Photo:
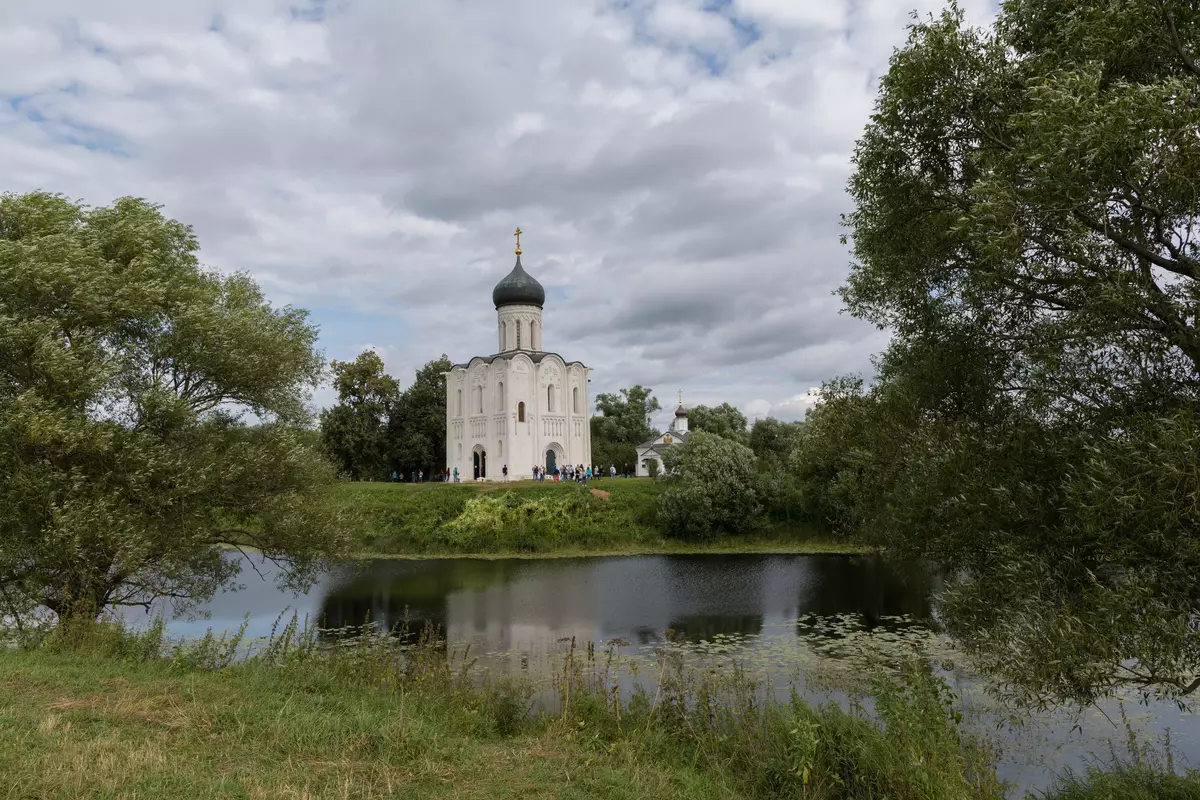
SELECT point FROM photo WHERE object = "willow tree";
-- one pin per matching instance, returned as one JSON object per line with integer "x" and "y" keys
{"x": 125, "y": 372}
{"x": 1026, "y": 220}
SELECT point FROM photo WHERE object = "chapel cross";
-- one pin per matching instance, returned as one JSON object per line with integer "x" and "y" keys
{"x": 681, "y": 397}
{"x": 518, "y": 235}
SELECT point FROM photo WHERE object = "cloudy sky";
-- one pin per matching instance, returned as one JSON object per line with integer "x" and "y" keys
{"x": 678, "y": 166}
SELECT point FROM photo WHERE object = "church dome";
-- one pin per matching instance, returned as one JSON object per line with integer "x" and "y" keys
{"x": 679, "y": 412}
{"x": 518, "y": 288}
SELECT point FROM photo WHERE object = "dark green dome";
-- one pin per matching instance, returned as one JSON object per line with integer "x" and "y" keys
{"x": 518, "y": 288}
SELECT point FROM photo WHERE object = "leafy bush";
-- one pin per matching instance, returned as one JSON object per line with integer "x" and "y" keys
{"x": 781, "y": 495}
{"x": 712, "y": 488}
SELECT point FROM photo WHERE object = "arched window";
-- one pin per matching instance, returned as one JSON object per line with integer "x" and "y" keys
{"x": 478, "y": 399}
{"x": 575, "y": 399}
{"x": 459, "y": 414}
{"x": 503, "y": 336}
{"x": 521, "y": 411}
{"x": 500, "y": 448}
{"x": 500, "y": 396}
{"x": 550, "y": 398}
{"x": 518, "y": 334}
{"x": 534, "y": 340}
{"x": 460, "y": 451}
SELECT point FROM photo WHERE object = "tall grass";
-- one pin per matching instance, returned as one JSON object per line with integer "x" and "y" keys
{"x": 706, "y": 734}
{"x": 1144, "y": 771}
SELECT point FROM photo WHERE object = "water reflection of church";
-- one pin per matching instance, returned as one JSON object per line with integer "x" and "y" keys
{"x": 526, "y": 605}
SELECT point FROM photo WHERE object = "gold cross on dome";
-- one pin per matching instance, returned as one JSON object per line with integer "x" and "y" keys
{"x": 518, "y": 235}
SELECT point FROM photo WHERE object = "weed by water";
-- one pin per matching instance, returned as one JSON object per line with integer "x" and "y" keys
{"x": 1144, "y": 771}
{"x": 364, "y": 714}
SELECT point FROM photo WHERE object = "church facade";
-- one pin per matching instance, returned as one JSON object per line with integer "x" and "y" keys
{"x": 523, "y": 405}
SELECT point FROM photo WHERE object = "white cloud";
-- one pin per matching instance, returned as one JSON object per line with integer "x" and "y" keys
{"x": 679, "y": 169}
{"x": 824, "y": 14}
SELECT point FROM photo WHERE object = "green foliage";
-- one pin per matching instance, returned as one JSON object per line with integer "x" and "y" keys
{"x": 417, "y": 422}
{"x": 1024, "y": 223}
{"x": 622, "y": 455}
{"x": 354, "y": 431}
{"x": 526, "y": 517}
{"x": 781, "y": 496}
{"x": 1145, "y": 771}
{"x": 124, "y": 367}
{"x": 828, "y": 459}
{"x": 1129, "y": 784}
{"x": 711, "y": 487}
{"x": 773, "y": 441}
{"x": 411, "y": 519}
{"x": 623, "y": 422}
{"x": 723, "y": 420}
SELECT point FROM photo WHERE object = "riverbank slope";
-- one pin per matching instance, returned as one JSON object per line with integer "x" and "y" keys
{"x": 355, "y": 723}
{"x": 358, "y": 722}
{"x": 609, "y": 517}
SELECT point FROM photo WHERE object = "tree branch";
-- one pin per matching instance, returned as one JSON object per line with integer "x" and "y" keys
{"x": 1177, "y": 43}
{"x": 1171, "y": 265}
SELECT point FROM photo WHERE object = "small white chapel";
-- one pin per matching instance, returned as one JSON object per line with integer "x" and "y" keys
{"x": 522, "y": 406}
{"x": 654, "y": 449}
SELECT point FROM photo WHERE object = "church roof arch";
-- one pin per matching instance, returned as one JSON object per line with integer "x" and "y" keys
{"x": 534, "y": 357}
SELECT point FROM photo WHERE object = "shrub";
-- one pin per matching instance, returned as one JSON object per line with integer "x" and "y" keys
{"x": 712, "y": 487}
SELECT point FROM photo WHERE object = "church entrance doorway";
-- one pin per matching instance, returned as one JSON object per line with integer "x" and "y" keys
{"x": 480, "y": 462}
{"x": 551, "y": 461}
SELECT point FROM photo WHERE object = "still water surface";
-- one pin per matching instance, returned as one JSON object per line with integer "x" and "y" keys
{"x": 774, "y": 614}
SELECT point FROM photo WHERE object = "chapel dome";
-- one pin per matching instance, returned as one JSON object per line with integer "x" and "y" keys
{"x": 518, "y": 288}
{"x": 679, "y": 412}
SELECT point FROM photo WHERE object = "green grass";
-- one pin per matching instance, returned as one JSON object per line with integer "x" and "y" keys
{"x": 1129, "y": 783}
{"x": 111, "y": 719}
{"x": 536, "y": 518}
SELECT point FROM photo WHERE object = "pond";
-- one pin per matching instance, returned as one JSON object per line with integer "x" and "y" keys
{"x": 779, "y": 616}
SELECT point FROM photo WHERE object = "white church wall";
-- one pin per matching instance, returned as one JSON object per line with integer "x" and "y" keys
{"x": 490, "y": 420}
{"x": 640, "y": 469}
{"x": 522, "y": 373}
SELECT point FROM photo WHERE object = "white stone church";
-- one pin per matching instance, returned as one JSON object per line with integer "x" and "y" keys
{"x": 523, "y": 405}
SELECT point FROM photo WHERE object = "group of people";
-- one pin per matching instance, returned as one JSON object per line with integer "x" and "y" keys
{"x": 580, "y": 473}
{"x": 571, "y": 472}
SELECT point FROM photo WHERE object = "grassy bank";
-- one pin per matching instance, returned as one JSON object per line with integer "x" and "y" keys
{"x": 119, "y": 715}
{"x": 532, "y": 518}
{"x": 359, "y": 721}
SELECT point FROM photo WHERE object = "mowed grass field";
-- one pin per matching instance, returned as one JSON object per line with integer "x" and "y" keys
{"x": 532, "y": 518}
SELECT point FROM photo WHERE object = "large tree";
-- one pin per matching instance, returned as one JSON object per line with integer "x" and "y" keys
{"x": 417, "y": 424}
{"x": 354, "y": 430}
{"x": 622, "y": 424}
{"x": 723, "y": 420}
{"x": 773, "y": 440}
{"x": 124, "y": 369}
{"x": 1025, "y": 217}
